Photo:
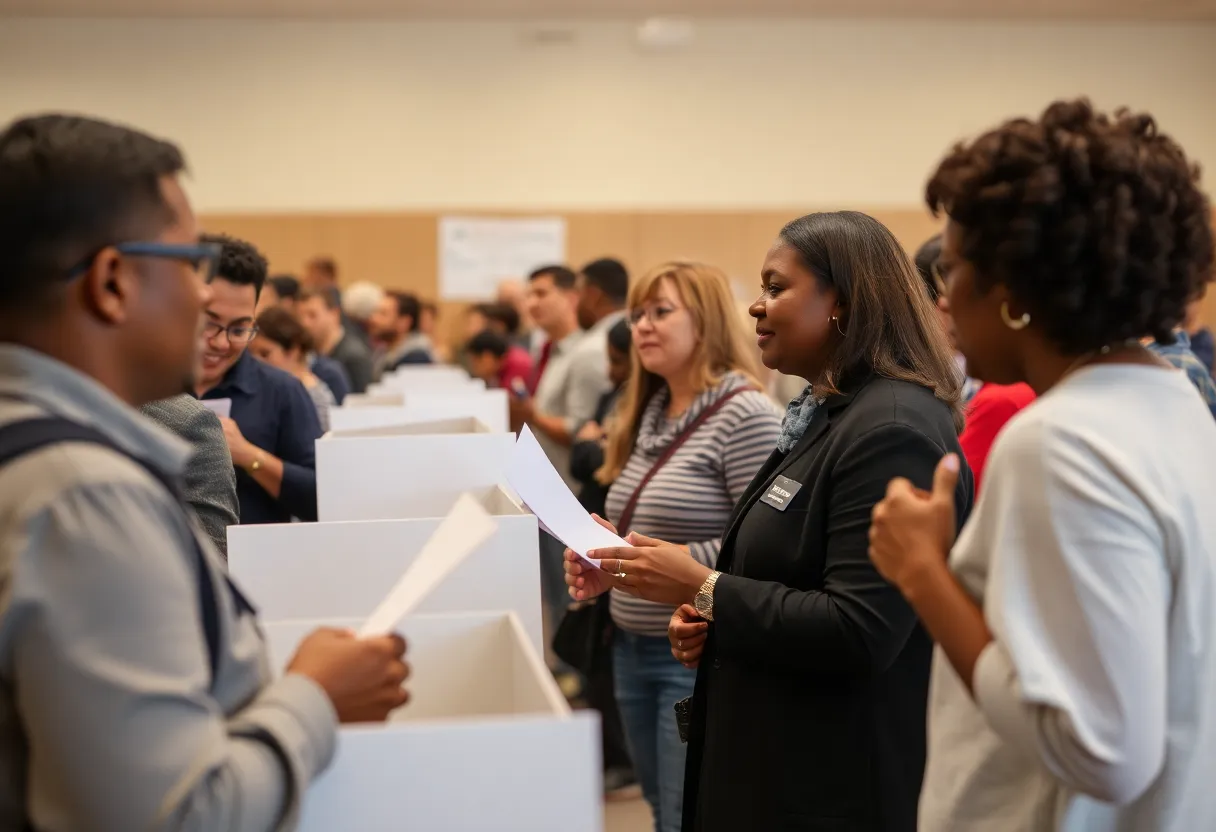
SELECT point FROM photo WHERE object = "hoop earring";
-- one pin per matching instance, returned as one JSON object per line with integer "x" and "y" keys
{"x": 836, "y": 318}
{"x": 1016, "y": 325}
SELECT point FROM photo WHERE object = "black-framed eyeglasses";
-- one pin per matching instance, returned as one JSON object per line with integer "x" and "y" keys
{"x": 238, "y": 334}
{"x": 202, "y": 257}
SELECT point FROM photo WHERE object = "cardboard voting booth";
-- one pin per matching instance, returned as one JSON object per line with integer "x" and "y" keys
{"x": 380, "y": 410}
{"x": 411, "y": 385}
{"x": 407, "y": 471}
{"x": 342, "y": 570}
{"x": 487, "y": 741}
{"x": 426, "y": 373}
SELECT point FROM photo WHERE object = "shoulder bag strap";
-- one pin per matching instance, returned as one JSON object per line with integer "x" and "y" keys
{"x": 627, "y": 514}
{"x": 20, "y": 438}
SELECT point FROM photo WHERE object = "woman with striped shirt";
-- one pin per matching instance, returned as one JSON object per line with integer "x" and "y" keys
{"x": 692, "y": 430}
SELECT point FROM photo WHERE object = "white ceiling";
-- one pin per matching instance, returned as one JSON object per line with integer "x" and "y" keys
{"x": 525, "y": 9}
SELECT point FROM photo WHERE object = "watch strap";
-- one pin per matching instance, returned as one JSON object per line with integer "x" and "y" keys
{"x": 704, "y": 601}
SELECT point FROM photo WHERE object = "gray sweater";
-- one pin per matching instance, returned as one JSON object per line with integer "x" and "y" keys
{"x": 210, "y": 479}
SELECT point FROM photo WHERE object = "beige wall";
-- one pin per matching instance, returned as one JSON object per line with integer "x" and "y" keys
{"x": 333, "y": 117}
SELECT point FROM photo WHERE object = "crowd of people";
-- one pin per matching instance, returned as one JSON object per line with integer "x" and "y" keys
{"x": 964, "y": 580}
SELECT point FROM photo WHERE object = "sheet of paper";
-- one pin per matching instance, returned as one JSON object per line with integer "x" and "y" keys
{"x": 476, "y": 253}
{"x": 465, "y": 529}
{"x": 220, "y": 407}
{"x": 543, "y": 491}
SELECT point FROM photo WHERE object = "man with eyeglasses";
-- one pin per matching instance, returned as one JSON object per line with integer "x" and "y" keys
{"x": 271, "y": 425}
{"x": 136, "y": 690}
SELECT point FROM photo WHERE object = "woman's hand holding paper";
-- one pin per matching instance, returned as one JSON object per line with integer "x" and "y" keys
{"x": 584, "y": 580}
{"x": 653, "y": 569}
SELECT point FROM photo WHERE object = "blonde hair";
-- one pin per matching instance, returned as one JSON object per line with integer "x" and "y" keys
{"x": 722, "y": 347}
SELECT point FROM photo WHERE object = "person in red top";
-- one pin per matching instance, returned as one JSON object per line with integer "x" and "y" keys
{"x": 991, "y": 405}
{"x": 498, "y": 362}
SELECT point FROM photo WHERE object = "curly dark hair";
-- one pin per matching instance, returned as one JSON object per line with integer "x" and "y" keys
{"x": 240, "y": 262}
{"x": 1095, "y": 224}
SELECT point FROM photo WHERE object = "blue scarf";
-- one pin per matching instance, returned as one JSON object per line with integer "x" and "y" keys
{"x": 798, "y": 414}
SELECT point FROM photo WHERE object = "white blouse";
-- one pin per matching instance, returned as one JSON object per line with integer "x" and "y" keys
{"x": 1093, "y": 552}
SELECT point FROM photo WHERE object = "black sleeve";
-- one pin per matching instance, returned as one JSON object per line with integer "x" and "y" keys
{"x": 585, "y": 459}
{"x": 359, "y": 368}
{"x": 858, "y": 623}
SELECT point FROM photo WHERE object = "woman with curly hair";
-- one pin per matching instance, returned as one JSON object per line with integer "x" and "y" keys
{"x": 1075, "y": 621}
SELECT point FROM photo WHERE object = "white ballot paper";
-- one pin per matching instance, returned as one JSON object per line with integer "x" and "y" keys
{"x": 220, "y": 407}
{"x": 466, "y": 528}
{"x": 544, "y": 492}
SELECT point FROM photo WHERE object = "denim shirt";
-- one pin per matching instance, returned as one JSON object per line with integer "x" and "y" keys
{"x": 1180, "y": 355}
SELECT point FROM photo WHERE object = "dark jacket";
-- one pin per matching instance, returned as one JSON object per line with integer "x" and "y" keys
{"x": 355, "y": 357}
{"x": 334, "y": 376}
{"x": 809, "y": 712}
{"x": 587, "y": 457}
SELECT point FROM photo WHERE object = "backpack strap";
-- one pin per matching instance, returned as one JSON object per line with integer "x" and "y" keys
{"x": 18, "y": 439}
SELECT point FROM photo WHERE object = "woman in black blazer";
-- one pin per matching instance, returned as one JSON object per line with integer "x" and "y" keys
{"x": 809, "y": 712}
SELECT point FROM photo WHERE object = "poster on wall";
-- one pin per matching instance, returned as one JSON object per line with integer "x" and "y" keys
{"x": 476, "y": 254}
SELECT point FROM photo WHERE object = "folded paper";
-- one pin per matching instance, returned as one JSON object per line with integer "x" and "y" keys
{"x": 544, "y": 492}
{"x": 465, "y": 529}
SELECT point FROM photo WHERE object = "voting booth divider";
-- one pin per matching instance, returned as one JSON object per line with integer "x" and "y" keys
{"x": 383, "y": 410}
{"x": 486, "y": 742}
{"x": 408, "y": 471}
{"x": 342, "y": 570}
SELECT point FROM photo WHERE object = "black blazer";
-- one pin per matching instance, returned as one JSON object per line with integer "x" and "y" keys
{"x": 809, "y": 712}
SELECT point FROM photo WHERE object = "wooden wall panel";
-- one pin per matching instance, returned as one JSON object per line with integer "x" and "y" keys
{"x": 400, "y": 250}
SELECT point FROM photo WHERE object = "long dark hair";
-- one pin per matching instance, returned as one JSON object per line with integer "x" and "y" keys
{"x": 890, "y": 326}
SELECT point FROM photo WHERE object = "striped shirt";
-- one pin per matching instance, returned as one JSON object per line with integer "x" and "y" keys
{"x": 690, "y": 499}
{"x": 322, "y": 399}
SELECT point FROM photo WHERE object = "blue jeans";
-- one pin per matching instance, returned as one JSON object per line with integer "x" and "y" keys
{"x": 649, "y": 682}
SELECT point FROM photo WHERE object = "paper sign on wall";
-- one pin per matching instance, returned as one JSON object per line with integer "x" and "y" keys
{"x": 476, "y": 254}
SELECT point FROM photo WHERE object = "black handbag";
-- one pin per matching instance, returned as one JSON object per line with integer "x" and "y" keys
{"x": 584, "y": 637}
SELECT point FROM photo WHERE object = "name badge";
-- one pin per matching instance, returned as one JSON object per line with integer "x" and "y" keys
{"x": 781, "y": 493}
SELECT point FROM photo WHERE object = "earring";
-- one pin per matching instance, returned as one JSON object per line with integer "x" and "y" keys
{"x": 836, "y": 318}
{"x": 1016, "y": 325}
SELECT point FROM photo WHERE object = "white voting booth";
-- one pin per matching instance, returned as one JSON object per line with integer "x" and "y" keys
{"x": 421, "y": 535}
{"x": 388, "y": 409}
{"x": 407, "y": 471}
{"x": 487, "y": 742}
{"x": 342, "y": 570}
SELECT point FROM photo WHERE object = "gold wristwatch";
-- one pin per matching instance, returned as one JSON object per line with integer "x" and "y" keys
{"x": 704, "y": 602}
{"x": 256, "y": 465}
